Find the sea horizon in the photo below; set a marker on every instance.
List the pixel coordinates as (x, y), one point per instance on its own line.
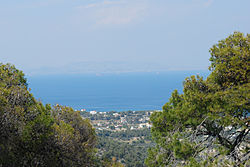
(138, 91)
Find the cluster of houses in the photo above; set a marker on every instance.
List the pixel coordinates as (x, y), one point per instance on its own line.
(119, 121)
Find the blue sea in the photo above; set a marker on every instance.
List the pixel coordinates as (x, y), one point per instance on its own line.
(109, 92)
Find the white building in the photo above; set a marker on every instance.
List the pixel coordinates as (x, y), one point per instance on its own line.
(116, 114)
(93, 112)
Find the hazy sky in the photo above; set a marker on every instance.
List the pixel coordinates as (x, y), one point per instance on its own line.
(82, 36)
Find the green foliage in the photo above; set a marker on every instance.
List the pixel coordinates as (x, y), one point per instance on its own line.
(116, 144)
(127, 134)
(230, 60)
(182, 150)
(75, 137)
(208, 125)
(110, 163)
(32, 134)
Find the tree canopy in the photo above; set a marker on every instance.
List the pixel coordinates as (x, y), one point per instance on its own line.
(208, 124)
(32, 134)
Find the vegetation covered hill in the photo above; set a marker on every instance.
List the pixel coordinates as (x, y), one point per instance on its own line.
(207, 125)
(123, 135)
(32, 134)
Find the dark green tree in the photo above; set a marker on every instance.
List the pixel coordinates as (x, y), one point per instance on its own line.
(25, 124)
(75, 138)
(208, 125)
(32, 134)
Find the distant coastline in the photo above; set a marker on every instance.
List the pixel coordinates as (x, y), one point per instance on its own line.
(110, 92)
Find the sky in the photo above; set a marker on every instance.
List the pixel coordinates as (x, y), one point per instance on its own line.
(43, 37)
